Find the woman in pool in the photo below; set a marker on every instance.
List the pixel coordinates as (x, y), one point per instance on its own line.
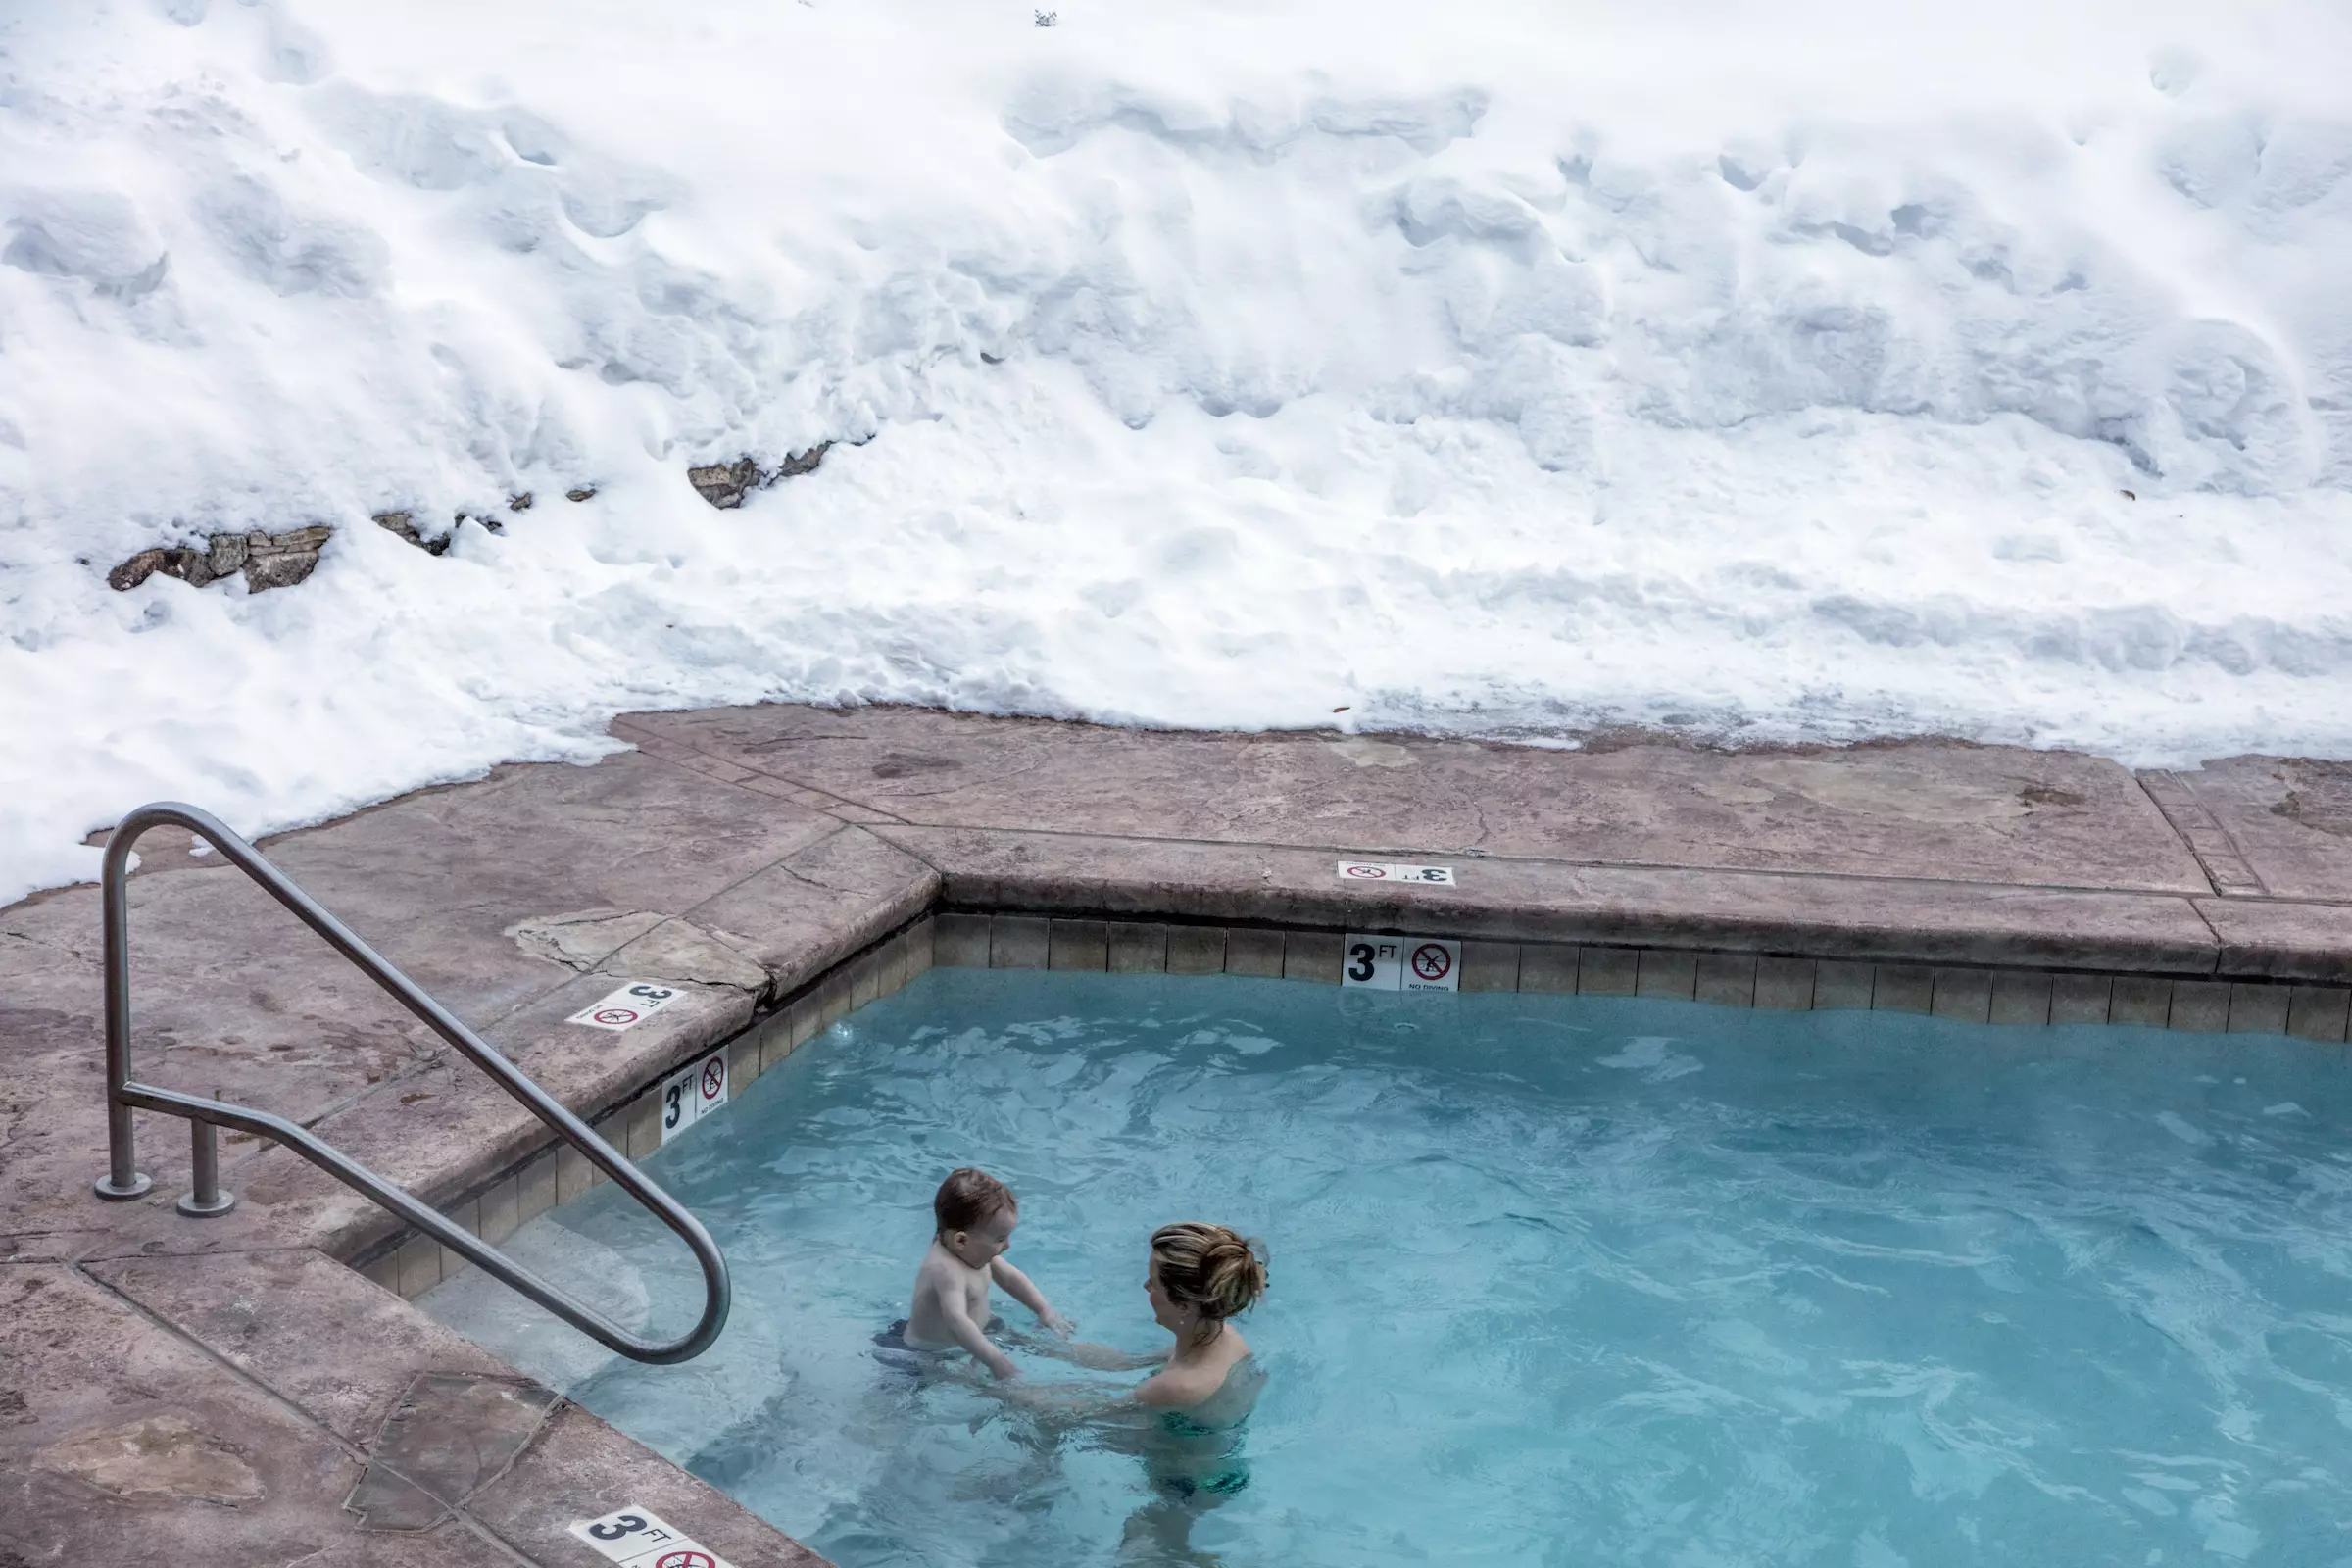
(1186, 1420)
(1201, 1277)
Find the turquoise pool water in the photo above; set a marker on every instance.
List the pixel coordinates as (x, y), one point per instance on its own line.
(1555, 1281)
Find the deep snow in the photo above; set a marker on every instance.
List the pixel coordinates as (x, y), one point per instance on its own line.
(1496, 368)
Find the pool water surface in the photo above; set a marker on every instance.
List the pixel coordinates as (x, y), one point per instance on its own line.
(1556, 1280)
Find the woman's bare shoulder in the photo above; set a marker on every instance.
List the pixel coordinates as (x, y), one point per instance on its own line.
(1176, 1387)
(1179, 1388)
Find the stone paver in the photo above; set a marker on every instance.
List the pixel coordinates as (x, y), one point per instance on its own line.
(2281, 941)
(1934, 810)
(186, 1390)
(144, 1453)
(234, 998)
(2290, 821)
(262, 1312)
(127, 1446)
(1518, 899)
(582, 1468)
(534, 843)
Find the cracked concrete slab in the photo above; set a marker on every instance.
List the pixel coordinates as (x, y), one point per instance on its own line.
(585, 939)
(449, 1434)
(683, 952)
(817, 906)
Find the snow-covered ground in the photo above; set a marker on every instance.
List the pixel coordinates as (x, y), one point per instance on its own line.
(1490, 366)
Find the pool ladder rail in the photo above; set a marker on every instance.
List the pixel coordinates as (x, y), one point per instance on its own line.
(125, 1181)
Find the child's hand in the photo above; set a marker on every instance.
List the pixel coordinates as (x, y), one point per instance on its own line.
(1054, 1323)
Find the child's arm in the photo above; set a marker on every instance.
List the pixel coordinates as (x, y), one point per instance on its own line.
(968, 1334)
(1018, 1286)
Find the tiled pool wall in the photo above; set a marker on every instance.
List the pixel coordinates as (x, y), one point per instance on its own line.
(412, 1264)
(1969, 994)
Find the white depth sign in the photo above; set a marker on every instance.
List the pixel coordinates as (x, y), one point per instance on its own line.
(625, 1008)
(636, 1538)
(1427, 876)
(1401, 963)
(689, 1096)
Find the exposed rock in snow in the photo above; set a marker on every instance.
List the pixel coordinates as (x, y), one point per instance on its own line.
(281, 560)
(267, 560)
(798, 463)
(403, 525)
(725, 484)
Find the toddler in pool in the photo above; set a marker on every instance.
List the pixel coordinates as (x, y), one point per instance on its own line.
(975, 1214)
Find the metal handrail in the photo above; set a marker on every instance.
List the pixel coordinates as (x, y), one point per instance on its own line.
(123, 1180)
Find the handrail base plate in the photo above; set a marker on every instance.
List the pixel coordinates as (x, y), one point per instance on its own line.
(141, 1183)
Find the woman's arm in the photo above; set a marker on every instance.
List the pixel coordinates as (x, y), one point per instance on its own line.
(1067, 1403)
(1094, 1357)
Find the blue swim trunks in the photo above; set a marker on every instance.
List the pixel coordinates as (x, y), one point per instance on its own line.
(892, 1350)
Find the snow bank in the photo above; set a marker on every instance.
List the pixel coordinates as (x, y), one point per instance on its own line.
(1503, 368)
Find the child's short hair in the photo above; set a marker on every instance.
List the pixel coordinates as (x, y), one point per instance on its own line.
(967, 1197)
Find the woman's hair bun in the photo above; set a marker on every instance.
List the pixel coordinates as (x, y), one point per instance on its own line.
(1237, 1274)
(1212, 1268)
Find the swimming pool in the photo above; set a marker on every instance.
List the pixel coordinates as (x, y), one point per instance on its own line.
(1556, 1280)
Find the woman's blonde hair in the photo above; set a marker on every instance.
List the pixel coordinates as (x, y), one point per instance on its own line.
(1217, 1271)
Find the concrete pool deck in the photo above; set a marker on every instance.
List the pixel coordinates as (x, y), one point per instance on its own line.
(215, 1390)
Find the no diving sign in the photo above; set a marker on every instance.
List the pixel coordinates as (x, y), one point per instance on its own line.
(1401, 963)
(626, 1008)
(636, 1538)
(1433, 965)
